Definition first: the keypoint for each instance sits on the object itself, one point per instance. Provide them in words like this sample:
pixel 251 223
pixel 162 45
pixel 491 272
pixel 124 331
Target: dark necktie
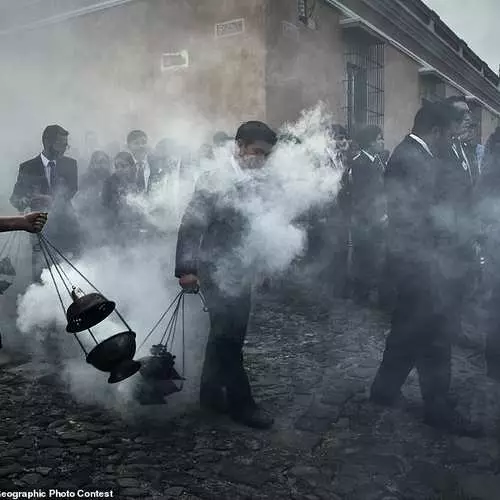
pixel 141 183
pixel 52 174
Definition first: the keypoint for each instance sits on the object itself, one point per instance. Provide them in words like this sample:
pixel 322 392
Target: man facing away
pixel 419 336
pixel 210 234
pixel 48 182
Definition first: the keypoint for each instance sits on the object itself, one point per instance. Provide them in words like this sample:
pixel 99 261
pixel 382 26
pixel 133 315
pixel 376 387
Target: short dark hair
pixel 136 134
pixel 125 156
pixel 455 98
pixel 253 131
pixel 367 135
pixel 51 132
pixel 432 115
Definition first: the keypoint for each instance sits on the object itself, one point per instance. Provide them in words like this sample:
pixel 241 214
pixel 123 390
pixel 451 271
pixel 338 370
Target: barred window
pixel 364 83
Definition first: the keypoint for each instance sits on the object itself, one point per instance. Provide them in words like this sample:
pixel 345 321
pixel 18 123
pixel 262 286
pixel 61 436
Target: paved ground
pixel 311 365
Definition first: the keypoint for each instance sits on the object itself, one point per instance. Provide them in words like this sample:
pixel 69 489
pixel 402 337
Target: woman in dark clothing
pixel 368 213
pixel 98 171
pixel 340 217
pixel 87 201
pixel 328 231
pixel 488 196
pixel 121 217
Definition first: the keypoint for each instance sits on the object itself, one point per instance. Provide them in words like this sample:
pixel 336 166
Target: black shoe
pixel 253 417
pixel 454 423
pixel 213 400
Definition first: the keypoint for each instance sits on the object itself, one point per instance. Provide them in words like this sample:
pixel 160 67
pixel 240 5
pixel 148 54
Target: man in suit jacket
pixel 148 168
pixel 456 197
pixel 418 336
pixel 48 182
pixel 211 231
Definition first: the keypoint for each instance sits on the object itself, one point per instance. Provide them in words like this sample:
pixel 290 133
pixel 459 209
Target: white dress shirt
pixel 370 157
pixel 147 170
pixel 46 162
pixel 418 139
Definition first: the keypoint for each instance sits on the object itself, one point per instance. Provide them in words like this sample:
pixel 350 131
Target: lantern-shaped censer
pixel 159 373
pixel 113 355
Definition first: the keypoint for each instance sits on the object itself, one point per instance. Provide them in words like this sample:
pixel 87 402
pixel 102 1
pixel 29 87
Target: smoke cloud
pixel 139 277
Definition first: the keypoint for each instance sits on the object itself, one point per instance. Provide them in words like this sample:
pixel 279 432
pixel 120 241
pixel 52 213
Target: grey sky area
pixel 476 21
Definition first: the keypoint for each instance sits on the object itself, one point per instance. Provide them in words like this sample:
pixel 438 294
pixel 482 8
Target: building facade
pixel 112 65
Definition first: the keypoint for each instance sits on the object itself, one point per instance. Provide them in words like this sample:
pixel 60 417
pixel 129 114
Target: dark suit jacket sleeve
pixel 72 183
pixel 194 225
pixel 107 195
pixel 20 198
pixel 409 183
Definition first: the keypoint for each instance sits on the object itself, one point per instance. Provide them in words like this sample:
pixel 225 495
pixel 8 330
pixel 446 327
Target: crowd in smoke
pixel 133 264
pixel 406 231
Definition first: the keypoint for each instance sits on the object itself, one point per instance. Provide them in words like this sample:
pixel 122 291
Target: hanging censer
pixel 159 373
pixel 113 355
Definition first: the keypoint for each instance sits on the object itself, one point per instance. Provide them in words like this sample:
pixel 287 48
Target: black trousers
pixel 419 338
pixel 223 368
pixel 368 254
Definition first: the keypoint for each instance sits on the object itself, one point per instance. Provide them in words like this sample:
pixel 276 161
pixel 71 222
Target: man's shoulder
pixel 408 150
pixel 30 163
pixel 68 160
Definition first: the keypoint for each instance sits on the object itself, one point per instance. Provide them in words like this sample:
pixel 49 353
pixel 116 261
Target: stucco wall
pixel 402 99
pixel 304 65
pixel 102 72
pixel 489 123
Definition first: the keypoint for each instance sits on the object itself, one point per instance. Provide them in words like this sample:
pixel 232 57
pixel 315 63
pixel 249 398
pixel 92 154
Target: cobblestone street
pixel 311 366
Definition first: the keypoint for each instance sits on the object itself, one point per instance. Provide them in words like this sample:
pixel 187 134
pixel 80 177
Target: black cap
pixel 255 131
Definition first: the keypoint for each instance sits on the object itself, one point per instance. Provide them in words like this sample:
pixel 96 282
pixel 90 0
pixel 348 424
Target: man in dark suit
pixel 48 182
pixel 419 337
pixel 368 212
pixel 211 232
pixel 456 197
pixel 148 168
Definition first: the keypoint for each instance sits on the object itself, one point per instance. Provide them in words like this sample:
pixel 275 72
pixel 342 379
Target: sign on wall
pixel 230 28
pixel 174 60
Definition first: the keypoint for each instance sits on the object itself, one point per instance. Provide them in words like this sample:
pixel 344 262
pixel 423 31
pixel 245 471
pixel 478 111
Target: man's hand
pixel 34 222
pixel 189 282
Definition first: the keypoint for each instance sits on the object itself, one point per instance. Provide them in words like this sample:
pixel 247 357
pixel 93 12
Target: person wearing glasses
pixel 48 183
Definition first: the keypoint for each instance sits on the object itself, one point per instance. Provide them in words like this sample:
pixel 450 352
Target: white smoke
pixel 140 281
pixel 139 277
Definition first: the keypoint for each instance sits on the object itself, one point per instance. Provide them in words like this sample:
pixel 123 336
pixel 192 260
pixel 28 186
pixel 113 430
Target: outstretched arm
pixel 32 222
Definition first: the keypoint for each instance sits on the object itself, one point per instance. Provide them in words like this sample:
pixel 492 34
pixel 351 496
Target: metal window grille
pixel 364 83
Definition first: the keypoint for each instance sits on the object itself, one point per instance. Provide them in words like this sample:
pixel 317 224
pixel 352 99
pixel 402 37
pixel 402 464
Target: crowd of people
pixel 405 232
